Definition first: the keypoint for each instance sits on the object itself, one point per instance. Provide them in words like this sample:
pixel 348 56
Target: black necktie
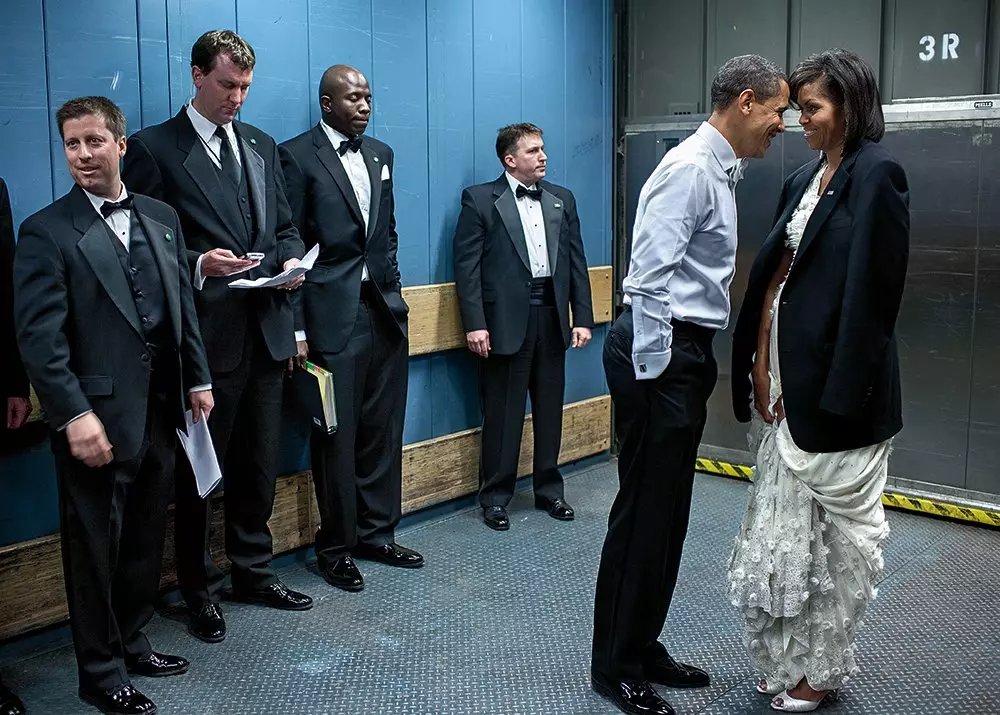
pixel 229 166
pixel 352 144
pixel 535 193
pixel 109 207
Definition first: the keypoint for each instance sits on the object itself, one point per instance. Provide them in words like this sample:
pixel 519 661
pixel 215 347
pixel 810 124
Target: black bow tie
pixel 535 193
pixel 352 144
pixel 109 207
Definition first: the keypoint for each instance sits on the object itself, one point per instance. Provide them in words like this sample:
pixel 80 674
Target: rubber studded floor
pixel 501 623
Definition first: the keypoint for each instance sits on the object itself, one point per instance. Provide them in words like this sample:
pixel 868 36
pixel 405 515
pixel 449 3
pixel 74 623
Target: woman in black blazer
pixel 822 298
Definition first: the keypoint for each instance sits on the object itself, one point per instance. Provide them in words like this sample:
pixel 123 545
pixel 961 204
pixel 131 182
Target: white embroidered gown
pixel 809 551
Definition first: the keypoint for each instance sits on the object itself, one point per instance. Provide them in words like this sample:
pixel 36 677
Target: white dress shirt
pixel 533 223
pixel 357 173
pixel 120 223
pixel 205 129
pixel 683 246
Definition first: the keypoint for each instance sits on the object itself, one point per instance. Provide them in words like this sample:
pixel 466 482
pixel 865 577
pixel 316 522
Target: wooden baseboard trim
pixel 435 471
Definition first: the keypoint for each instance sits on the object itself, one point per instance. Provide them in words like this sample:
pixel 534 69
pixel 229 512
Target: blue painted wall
pixel 445 75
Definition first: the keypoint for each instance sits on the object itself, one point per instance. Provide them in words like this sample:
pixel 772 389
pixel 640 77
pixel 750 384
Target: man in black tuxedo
pixel 107 327
pixel 222 177
pixel 14 387
pixel 353 316
pixel 519 268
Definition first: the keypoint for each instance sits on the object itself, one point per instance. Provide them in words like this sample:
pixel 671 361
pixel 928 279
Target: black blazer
pixel 13 379
pixel 326 211
pixel 77 324
pixel 168 162
pixel 492 270
pixel 836 321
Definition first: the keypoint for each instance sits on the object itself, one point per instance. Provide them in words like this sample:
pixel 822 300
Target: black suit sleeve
pixel 470 238
pixel 41 308
pixel 13 381
pixel 393 236
pixel 873 291
pixel 194 362
pixel 580 300
pixel 287 235
pixel 293 183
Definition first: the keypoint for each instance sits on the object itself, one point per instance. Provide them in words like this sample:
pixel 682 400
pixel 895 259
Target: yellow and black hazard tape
pixel 972 515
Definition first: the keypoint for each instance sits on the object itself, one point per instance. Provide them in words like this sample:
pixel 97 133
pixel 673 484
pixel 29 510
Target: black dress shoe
pixel 389 554
pixel 496 518
pixel 343 573
pixel 277 595
pixel 667 671
pixel 557 508
pixel 158 665
pixel 636 697
pixel 208 623
pixel 10 704
pixel 123 700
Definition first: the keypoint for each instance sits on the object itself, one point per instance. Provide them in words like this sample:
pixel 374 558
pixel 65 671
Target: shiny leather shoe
pixel 635 697
pixel 665 670
pixel 123 700
pixel 10 704
pixel 343 573
pixel 277 595
pixel 557 508
pixel 389 554
pixel 158 665
pixel 496 518
pixel 207 624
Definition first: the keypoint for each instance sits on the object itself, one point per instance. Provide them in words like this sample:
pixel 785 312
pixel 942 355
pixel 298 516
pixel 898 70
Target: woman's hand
pixel 762 393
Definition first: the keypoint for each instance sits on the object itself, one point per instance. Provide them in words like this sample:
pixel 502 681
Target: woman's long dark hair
pixel 850 83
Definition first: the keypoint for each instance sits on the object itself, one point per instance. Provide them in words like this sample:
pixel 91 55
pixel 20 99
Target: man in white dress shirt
pixel 223 178
pixel 107 327
pixel 352 314
pixel 519 268
pixel 661 372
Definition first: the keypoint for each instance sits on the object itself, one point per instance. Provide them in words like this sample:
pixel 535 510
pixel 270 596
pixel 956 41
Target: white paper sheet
pixel 282 278
pixel 198 447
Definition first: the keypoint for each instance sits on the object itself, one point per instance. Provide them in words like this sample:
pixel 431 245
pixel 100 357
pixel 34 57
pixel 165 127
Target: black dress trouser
pixel 659 424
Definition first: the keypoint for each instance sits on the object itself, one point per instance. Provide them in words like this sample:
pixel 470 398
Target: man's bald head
pixel 345 99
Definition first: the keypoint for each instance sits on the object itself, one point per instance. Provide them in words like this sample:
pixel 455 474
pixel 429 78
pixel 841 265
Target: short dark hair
pixel 509 136
pixel 745 72
pixel 850 84
pixel 208 47
pixel 114 119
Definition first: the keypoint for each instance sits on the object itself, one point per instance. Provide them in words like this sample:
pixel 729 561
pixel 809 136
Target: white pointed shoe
pixel 766 687
pixel 786 703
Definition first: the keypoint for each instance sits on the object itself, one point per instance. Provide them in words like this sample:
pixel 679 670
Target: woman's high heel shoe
pixel 766 687
pixel 786 703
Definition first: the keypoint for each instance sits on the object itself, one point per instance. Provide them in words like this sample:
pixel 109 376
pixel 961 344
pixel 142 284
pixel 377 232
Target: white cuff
pixel 199 279
pixel 300 336
pixel 74 420
pixel 649 366
pixel 200 388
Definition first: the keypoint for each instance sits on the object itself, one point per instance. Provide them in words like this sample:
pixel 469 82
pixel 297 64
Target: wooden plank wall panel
pixel 434 471
pixel 435 324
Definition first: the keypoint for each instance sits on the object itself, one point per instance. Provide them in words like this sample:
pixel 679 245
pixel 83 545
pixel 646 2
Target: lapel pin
pixel 169 237
pixel 556 206
pixel 375 159
pixel 830 192
pixel 252 140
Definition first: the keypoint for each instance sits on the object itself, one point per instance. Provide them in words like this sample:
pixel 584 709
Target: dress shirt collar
pixel 336 137
pixel 514 183
pixel 719 145
pixel 205 127
pixel 98 201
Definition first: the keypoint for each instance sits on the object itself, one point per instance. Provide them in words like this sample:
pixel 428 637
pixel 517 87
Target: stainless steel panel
pixel 666 47
pixel 737 27
pixel 934 332
pixel 923 32
pixel 852 24
pixel 984 418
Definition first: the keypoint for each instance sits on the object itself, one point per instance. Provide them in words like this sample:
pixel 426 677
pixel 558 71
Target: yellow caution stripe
pixel 972 515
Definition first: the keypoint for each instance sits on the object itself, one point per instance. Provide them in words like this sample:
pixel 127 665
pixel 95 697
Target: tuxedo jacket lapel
pixel 374 166
pixel 328 157
pixel 159 236
pixel 552 211
pixel 507 208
